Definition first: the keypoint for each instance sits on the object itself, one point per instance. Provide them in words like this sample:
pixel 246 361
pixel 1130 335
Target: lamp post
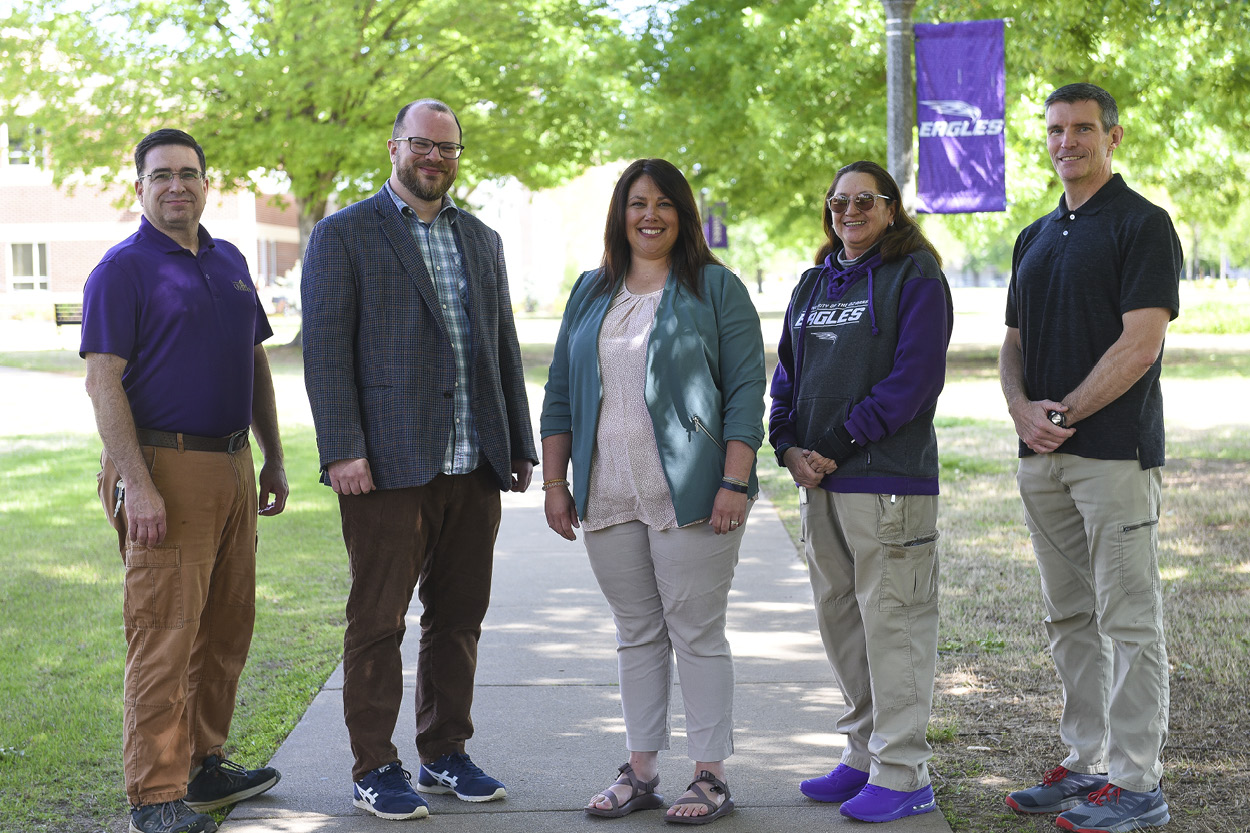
pixel 900 104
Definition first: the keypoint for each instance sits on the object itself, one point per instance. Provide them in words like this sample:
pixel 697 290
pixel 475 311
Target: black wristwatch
pixel 1057 418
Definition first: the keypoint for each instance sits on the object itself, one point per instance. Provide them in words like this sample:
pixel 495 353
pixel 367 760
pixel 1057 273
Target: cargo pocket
pixel 1138 554
pixel 153 590
pixel 910 573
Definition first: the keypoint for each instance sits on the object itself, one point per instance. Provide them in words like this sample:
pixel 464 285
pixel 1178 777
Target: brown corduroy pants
pixel 440 538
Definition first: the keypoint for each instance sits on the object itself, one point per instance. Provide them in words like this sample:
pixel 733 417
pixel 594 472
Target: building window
pixel 268 261
pixel 23 146
pixel 30 266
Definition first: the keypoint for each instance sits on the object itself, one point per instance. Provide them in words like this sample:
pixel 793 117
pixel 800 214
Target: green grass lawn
pixel 1213 308
pixel 62 648
pixel 61 645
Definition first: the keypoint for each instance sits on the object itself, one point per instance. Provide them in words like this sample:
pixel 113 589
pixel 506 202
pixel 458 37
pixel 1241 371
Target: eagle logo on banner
pixel 951 107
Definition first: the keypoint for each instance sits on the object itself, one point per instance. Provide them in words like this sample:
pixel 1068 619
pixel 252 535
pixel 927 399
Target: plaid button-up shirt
pixel 440 249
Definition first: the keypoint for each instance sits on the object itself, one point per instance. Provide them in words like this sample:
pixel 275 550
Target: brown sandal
pixel 714 811
pixel 642 797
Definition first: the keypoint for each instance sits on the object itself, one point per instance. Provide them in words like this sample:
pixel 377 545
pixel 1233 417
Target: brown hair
pixel 427 104
pixel 690 253
pixel 899 240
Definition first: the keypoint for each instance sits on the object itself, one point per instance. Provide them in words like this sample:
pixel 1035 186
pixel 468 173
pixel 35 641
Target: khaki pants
pixel 874 571
pixel 1094 527
pixel 190 604
pixel 669 590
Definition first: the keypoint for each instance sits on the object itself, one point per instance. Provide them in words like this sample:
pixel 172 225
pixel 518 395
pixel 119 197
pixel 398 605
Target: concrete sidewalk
pixel 547 714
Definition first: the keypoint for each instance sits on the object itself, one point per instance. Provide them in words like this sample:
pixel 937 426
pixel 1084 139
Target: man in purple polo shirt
pixel 172 333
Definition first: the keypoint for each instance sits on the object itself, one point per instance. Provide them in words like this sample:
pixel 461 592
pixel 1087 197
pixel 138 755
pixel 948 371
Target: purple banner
pixel 714 228
pixel 961 86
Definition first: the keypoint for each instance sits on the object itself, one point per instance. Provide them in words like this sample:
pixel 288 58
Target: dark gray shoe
pixel 219 782
pixel 1113 810
pixel 1061 789
pixel 170 817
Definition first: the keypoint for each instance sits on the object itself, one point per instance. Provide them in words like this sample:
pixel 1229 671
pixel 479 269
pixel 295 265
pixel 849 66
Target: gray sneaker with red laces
pixel 1061 789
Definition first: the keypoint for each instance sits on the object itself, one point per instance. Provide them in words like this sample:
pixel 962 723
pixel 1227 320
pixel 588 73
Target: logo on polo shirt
pixel 242 285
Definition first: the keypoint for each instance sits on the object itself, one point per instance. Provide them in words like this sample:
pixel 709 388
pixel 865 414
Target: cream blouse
pixel 626 479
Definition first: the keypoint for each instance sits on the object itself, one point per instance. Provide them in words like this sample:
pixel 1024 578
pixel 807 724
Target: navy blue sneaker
pixel 387 793
pixel 1114 810
pixel 456 773
pixel 843 783
pixel 880 804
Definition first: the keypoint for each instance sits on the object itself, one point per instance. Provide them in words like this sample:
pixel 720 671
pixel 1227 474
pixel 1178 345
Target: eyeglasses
pixel 186 177
pixel 422 146
pixel 864 202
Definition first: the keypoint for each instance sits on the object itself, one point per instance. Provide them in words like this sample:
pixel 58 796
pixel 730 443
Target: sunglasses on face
pixel 864 202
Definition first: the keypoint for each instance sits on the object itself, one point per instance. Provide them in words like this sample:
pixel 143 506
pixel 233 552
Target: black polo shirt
pixel 1074 273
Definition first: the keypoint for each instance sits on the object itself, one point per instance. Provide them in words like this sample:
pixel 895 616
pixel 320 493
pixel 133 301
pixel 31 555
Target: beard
pixel 430 191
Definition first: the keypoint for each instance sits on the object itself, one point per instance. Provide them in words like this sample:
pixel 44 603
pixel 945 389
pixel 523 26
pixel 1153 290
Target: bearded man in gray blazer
pixel 414 375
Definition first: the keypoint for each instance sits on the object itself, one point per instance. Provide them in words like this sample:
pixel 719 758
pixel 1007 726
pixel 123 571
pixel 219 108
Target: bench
pixel 67 314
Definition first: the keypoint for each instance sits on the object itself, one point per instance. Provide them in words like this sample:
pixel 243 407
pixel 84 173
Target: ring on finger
pixel 733 523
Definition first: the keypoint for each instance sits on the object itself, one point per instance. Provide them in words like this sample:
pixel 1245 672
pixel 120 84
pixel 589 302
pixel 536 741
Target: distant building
pixel 51 238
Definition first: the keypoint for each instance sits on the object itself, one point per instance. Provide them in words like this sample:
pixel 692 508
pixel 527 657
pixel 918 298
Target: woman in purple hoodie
pixel 862 360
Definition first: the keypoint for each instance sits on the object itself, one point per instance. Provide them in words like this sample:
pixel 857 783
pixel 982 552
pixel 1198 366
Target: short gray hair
pixel 1072 93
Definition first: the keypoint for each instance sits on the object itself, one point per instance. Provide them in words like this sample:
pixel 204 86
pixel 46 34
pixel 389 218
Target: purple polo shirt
pixel 186 325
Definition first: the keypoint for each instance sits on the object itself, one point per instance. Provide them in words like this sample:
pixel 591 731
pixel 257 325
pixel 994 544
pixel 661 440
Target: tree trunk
pixel 310 213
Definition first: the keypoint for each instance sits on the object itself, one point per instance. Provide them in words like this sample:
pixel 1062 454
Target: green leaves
pixel 760 102
pixel 309 90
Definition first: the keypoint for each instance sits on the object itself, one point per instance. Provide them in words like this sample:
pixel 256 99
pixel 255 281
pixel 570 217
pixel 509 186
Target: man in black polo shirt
pixel 1093 287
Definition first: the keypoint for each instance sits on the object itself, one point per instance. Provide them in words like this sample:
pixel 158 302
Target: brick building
pixel 51 238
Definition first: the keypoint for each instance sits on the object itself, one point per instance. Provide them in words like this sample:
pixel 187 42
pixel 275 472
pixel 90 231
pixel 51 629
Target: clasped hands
pixel 1035 429
pixel 808 467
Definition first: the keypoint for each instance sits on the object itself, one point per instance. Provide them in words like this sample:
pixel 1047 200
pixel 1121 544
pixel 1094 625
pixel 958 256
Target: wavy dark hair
pixel 899 240
pixel 690 253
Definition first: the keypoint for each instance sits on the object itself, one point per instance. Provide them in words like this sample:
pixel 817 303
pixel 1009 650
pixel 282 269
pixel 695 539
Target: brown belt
pixel 190 442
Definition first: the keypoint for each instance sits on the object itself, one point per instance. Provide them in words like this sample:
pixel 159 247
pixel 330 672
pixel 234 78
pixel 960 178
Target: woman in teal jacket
pixel 656 396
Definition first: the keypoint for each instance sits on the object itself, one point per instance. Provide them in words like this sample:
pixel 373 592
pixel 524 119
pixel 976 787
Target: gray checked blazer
pixel 378 362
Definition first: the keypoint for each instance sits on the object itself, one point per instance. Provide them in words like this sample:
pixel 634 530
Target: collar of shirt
pixel 155 237
pixel 1112 189
pixel 449 209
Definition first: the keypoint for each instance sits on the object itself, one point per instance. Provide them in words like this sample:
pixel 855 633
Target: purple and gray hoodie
pixel 862 360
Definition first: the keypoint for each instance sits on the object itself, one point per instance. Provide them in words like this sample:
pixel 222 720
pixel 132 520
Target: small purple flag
pixel 714 228
pixel 961 86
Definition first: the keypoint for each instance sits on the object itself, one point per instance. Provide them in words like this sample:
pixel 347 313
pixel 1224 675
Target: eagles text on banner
pixel 961 107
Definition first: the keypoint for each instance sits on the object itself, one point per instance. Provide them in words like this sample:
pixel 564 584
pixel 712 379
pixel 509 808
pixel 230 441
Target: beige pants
pixel 874 571
pixel 668 591
pixel 190 603
pixel 1094 526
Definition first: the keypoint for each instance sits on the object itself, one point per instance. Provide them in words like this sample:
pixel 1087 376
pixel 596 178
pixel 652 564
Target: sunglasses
pixel 864 202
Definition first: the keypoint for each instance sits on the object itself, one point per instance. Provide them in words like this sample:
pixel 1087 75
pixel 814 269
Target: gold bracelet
pixel 551 484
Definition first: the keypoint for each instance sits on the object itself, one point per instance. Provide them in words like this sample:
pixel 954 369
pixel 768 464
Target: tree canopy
pixel 759 101
pixel 308 89
pixel 774 96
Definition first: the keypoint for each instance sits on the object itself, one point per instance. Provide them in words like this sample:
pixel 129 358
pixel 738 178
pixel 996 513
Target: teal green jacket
pixel 705 384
